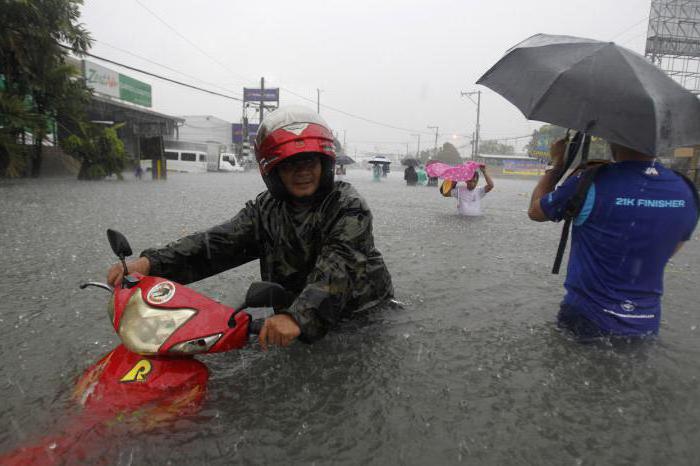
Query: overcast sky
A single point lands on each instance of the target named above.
(402, 63)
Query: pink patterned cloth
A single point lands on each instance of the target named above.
(461, 172)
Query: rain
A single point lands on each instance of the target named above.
(467, 366)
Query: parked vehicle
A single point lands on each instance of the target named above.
(189, 161)
(228, 162)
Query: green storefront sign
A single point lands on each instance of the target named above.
(108, 82)
(134, 91)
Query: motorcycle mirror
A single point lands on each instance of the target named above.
(262, 294)
(119, 244)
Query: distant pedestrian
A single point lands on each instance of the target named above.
(410, 176)
(422, 176)
(469, 196)
(138, 172)
(376, 172)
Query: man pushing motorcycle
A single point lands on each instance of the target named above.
(312, 235)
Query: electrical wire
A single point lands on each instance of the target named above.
(148, 60)
(224, 66)
(148, 73)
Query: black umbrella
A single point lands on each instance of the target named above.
(599, 88)
(410, 162)
(343, 159)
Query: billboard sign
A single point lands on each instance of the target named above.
(674, 28)
(541, 146)
(523, 167)
(134, 91)
(108, 82)
(100, 79)
(264, 95)
(238, 132)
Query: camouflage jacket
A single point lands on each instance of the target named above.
(323, 254)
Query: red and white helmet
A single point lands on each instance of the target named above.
(290, 131)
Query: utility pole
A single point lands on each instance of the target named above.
(436, 128)
(262, 98)
(478, 115)
(345, 133)
(318, 101)
(418, 147)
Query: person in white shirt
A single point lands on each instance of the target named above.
(469, 196)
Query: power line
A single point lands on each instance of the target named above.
(182, 36)
(646, 18)
(352, 115)
(203, 52)
(148, 73)
(148, 60)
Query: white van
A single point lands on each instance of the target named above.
(229, 163)
(190, 161)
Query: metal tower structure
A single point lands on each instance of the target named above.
(673, 40)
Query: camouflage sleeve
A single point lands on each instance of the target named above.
(340, 268)
(207, 253)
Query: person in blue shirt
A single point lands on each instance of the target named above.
(636, 215)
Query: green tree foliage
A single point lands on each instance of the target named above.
(493, 147)
(34, 72)
(99, 150)
(14, 115)
(426, 155)
(543, 138)
(448, 154)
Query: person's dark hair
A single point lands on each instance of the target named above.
(618, 149)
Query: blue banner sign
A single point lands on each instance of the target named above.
(264, 95)
(238, 132)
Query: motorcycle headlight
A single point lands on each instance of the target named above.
(198, 345)
(144, 329)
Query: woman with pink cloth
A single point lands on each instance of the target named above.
(469, 196)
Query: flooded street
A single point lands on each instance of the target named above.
(472, 370)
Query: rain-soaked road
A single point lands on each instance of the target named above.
(471, 371)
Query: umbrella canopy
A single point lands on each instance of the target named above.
(379, 159)
(343, 159)
(597, 87)
(410, 162)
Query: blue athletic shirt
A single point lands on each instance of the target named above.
(634, 216)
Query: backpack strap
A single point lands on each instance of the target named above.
(571, 211)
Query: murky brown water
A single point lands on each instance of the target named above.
(470, 371)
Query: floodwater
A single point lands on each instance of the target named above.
(471, 371)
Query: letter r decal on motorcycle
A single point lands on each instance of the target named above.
(139, 372)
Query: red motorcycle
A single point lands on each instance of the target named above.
(152, 377)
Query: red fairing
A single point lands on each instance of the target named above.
(283, 143)
(123, 392)
(212, 317)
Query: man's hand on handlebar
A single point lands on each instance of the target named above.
(280, 330)
(116, 272)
